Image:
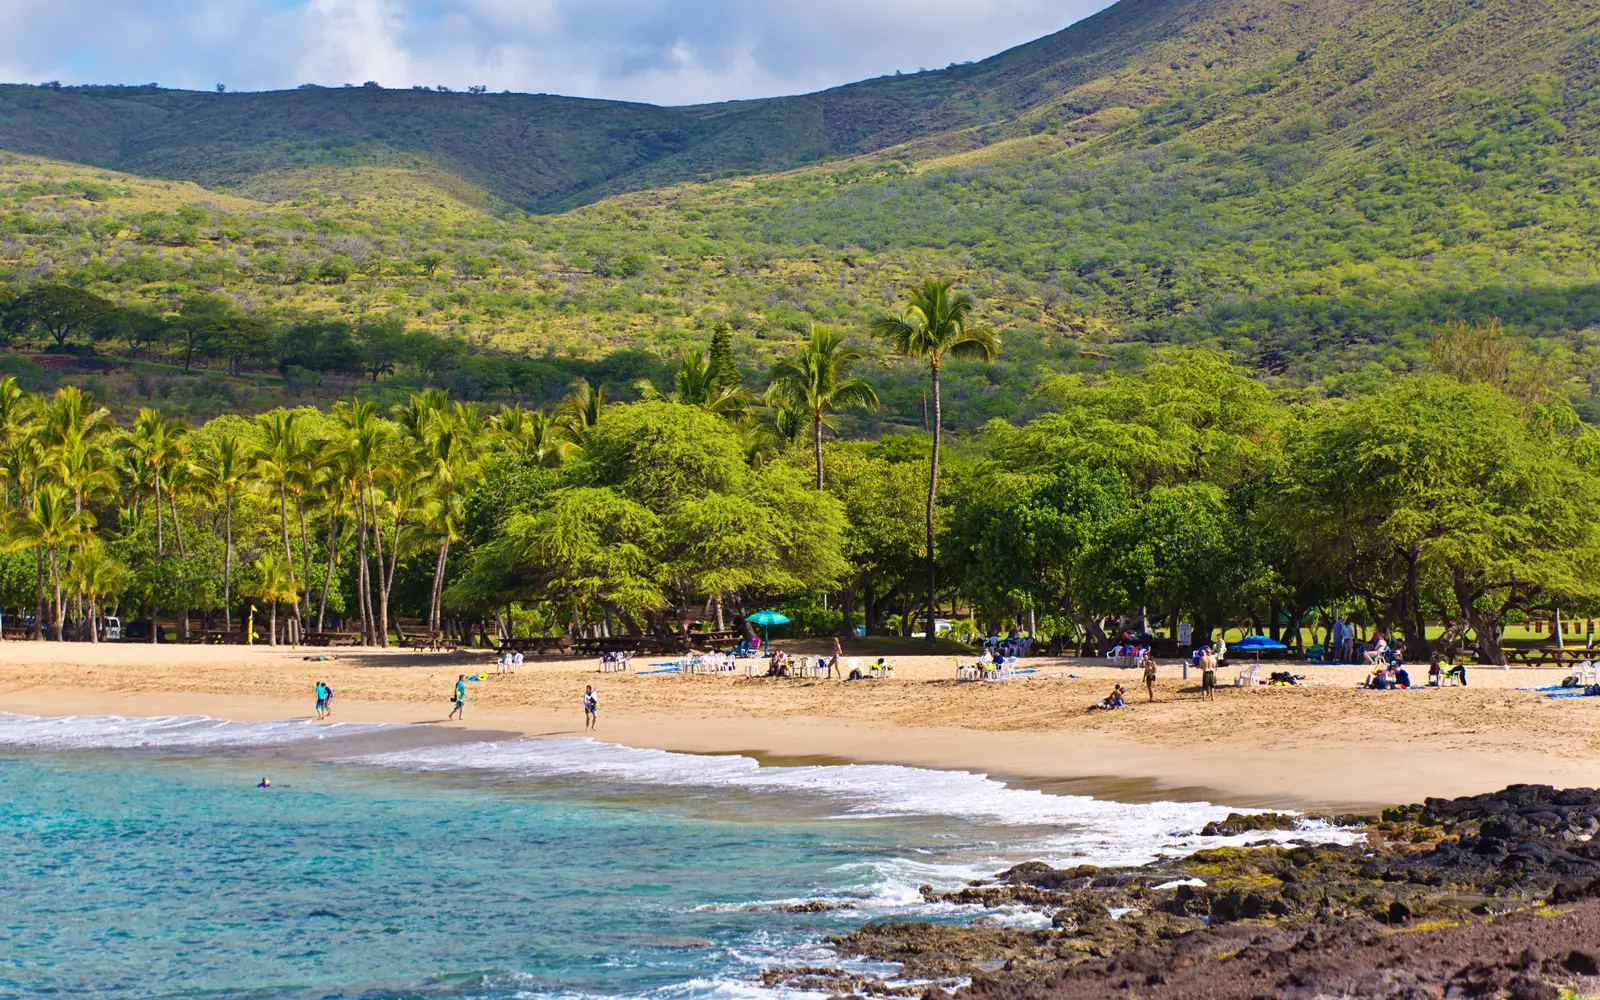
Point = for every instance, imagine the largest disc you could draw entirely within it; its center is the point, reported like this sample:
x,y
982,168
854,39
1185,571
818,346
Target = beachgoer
x,y
1208,676
833,664
459,698
1402,679
1435,673
591,708
322,701
327,699
1150,677
264,783
1459,672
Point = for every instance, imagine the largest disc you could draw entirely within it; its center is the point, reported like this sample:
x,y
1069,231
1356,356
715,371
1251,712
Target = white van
x,y
110,627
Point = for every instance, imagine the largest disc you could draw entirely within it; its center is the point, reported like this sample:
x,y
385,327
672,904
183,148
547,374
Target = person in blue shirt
x,y
459,699
322,700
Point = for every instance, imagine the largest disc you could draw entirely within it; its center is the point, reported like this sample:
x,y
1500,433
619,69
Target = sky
x,y
659,51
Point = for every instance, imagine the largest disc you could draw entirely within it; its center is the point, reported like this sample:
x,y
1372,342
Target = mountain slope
x,y
1316,185
540,152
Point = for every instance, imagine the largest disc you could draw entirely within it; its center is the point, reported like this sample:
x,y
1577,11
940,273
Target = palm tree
x,y
51,524
695,384
97,575
936,324
367,438
274,582
279,461
224,472
157,443
816,380
582,409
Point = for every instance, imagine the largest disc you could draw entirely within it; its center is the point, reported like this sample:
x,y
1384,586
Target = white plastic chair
x,y
1248,677
852,665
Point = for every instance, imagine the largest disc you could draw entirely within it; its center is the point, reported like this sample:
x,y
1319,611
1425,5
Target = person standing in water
x,y
591,708
459,699
322,700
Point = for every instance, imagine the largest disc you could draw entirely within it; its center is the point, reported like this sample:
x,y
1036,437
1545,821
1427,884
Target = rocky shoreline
x,y
1495,895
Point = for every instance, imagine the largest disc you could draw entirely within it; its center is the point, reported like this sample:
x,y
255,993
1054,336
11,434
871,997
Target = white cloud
x,y
661,51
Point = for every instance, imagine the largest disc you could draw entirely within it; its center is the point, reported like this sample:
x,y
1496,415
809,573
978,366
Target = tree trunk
x,y
847,604
327,579
227,561
55,582
38,593
305,553
363,602
817,426
94,633
161,546
438,583
272,626
1487,629
288,553
377,542
933,489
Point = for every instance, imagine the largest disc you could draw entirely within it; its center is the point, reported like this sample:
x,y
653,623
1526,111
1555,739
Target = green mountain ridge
x,y
1315,185
544,153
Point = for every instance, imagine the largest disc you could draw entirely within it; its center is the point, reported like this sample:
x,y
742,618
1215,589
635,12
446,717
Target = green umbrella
x,y
767,619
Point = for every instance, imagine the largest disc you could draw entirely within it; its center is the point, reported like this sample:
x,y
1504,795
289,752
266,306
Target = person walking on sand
x,y
1150,677
591,708
322,700
834,669
327,701
1208,675
459,699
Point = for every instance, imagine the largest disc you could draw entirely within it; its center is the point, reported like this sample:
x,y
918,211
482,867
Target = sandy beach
x,y
1323,745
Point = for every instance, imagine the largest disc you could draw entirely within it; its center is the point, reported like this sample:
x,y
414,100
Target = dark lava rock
x,y
1236,824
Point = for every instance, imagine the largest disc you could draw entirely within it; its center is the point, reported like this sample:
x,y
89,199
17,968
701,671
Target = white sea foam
x,y
1074,828
198,732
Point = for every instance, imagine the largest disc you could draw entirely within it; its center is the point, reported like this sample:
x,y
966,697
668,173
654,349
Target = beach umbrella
x,y
767,619
1255,644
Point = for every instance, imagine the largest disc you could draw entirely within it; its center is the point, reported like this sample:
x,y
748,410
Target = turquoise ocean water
x,y
140,861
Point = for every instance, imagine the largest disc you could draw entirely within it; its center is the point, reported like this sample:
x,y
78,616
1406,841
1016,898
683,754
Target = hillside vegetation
x,y
1316,186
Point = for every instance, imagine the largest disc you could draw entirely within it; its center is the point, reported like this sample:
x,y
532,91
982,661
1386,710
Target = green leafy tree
x,y
56,310
817,381
935,325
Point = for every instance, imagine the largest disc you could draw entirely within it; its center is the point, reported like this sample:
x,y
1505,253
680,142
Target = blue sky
x,y
661,51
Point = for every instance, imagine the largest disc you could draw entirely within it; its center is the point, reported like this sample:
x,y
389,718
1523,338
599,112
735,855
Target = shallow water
x,y
143,862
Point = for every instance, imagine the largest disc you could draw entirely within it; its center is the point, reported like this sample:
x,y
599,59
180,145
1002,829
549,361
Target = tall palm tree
x,y
279,461
367,437
937,324
51,524
96,575
274,582
817,380
221,474
157,443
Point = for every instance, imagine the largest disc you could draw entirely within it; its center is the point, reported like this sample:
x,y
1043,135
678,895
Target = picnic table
x,y
538,645
1547,656
617,644
331,639
432,642
217,637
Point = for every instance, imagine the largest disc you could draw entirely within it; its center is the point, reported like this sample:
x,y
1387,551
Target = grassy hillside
x,y
1314,185
538,152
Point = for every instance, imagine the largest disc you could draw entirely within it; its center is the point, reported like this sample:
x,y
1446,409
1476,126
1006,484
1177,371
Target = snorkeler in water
x,y
265,783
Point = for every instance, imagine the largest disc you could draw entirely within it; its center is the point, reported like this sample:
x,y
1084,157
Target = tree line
x,y
1441,506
